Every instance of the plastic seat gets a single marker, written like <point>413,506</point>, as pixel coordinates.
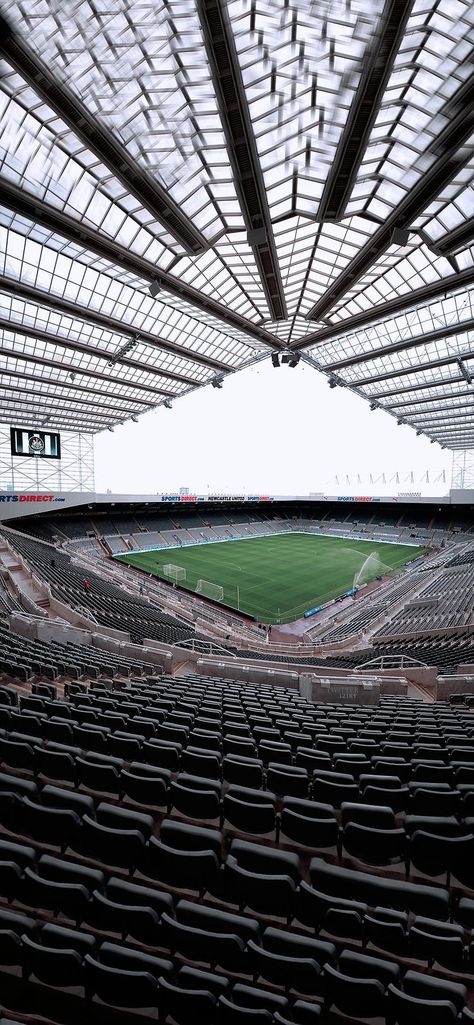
<point>121,847</point>
<point>250,811</point>
<point>141,923</point>
<point>372,815</point>
<point>199,762</point>
<point>148,790</point>
<point>434,941</point>
<point>306,823</point>
<point>333,792</point>
<point>292,781</point>
<point>387,930</point>
<point>125,978</point>
<point>254,999</point>
<point>123,891</point>
<point>359,998</point>
<point>196,798</point>
<point>266,893</point>
<point>103,778</point>
<point>213,948</point>
<point>58,765</point>
<point>57,826</point>
<point>374,846</point>
<point>191,870</point>
<point>55,956</point>
<point>332,914</point>
<point>243,771</point>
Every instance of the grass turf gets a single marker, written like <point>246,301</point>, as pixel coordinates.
<point>277,578</point>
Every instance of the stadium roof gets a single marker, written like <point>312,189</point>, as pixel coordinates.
<point>282,173</point>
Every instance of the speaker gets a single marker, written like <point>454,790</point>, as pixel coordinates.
<point>399,237</point>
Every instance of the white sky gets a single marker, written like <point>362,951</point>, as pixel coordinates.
<point>269,431</point>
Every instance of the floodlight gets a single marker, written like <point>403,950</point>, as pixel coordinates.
<point>294,360</point>
<point>134,418</point>
<point>332,382</point>
<point>154,288</point>
<point>374,405</point>
<point>168,404</point>
<point>275,360</point>
<point>217,382</point>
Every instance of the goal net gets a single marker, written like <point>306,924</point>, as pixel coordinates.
<point>174,572</point>
<point>210,590</point>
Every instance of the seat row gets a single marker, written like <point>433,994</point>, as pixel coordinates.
<point>124,976</point>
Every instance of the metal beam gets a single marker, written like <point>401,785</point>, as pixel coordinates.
<point>426,386</point>
<point>444,410</point>
<point>17,409</point>
<point>242,149</point>
<point>400,304</point>
<point>97,319</point>
<point>416,368</point>
<point>90,350</point>
<point>110,412</point>
<point>456,420</point>
<point>377,67</point>
<point>71,368</point>
<point>73,386</point>
<point>403,346</point>
<point>63,224</point>
<point>436,398</point>
<point>99,140</point>
<point>455,240</point>
<point>450,158</point>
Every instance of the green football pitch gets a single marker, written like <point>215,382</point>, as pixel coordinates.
<point>277,578</point>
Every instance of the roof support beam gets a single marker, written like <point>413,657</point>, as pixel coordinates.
<point>51,409</point>
<point>242,149</point>
<point>377,67</point>
<point>71,368</point>
<point>114,412</point>
<point>37,411</point>
<point>455,240</point>
<point>457,419</point>
<point>415,369</point>
<point>449,159</point>
<point>90,350</point>
<point>97,319</point>
<point>407,388</point>
<point>69,386</point>
<point>99,140</point>
<point>403,346</point>
<point>446,399</point>
<point>400,304</point>
<point>62,224</point>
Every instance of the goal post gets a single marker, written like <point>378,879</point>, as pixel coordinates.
<point>174,572</point>
<point>210,590</point>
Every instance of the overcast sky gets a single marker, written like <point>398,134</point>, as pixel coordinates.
<point>269,431</point>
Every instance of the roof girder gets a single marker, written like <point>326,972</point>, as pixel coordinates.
<point>115,412</point>
<point>459,112</point>
<point>403,346</point>
<point>149,193</point>
<point>242,148</point>
<point>90,350</point>
<point>94,317</point>
<point>436,398</point>
<point>62,224</point>
<point>416,368</point>
<point>70,368</point>
<point>455,240</point>
<point>377,67</point>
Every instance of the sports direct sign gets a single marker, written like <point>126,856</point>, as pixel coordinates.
<point>31,498</point>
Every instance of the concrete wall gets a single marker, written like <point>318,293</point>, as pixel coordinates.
<point>348,691</point>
